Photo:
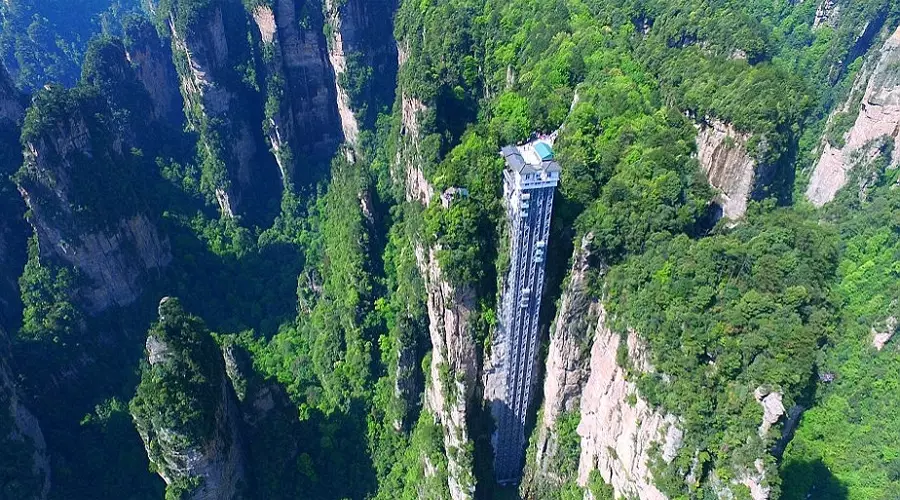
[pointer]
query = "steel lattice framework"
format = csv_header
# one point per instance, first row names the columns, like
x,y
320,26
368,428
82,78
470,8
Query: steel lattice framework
x,y
528,195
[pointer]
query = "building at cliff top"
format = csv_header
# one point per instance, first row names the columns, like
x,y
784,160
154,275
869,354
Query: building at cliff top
x,y
530,179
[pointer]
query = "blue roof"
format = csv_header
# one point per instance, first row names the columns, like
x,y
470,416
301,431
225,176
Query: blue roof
x,y
543,150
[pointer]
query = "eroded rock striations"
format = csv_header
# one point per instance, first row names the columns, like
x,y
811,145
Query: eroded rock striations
x,y
624,438
152,61
723,156
567,371
876,128
186,412
618,428
301,116
214,61
454,368
83,187
363,56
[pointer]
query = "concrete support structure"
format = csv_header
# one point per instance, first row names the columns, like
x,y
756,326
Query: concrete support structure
x,y
530,181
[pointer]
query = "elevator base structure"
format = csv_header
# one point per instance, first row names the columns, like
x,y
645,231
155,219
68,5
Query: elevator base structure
x,y
530,179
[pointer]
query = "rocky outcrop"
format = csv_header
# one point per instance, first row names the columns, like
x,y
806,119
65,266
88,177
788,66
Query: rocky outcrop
x,y
453,369
722,152
301,121
362,55
882,334
618,427
12,108
877,123
454,366
567,370
259,399
337,55
622,436
407,385
773,408
191,429
827,14
13,229
24,462
152,61
209,49
409,158
116,249
116,262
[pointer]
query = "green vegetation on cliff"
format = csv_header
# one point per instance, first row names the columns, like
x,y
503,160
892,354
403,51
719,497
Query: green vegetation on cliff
x,y
44,41
724,316
179,390
317,291
851,428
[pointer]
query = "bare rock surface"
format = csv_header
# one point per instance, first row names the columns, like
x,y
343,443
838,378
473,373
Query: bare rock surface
x,y
209,463
883,334
567,365
618,427
827,14
773,409
151,59
12,108
337,55
453,351
417,187
878,119
265,21
116,258
212,96
453,344
723,156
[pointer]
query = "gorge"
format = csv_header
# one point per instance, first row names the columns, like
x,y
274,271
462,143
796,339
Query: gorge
x,y
260,249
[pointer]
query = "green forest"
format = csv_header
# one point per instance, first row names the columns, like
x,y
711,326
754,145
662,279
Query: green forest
x,y
260,249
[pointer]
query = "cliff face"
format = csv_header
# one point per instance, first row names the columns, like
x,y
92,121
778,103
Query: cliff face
x,y
722,152
363,55
24,468
152,61
191,428
567,370
877,125
223,105
454,367
302,122
618,428
11,107
342,35
114,246
13,229
623,439
827,14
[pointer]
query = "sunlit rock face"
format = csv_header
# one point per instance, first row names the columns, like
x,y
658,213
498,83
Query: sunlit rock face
x,y
618,427
722,153
877,126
